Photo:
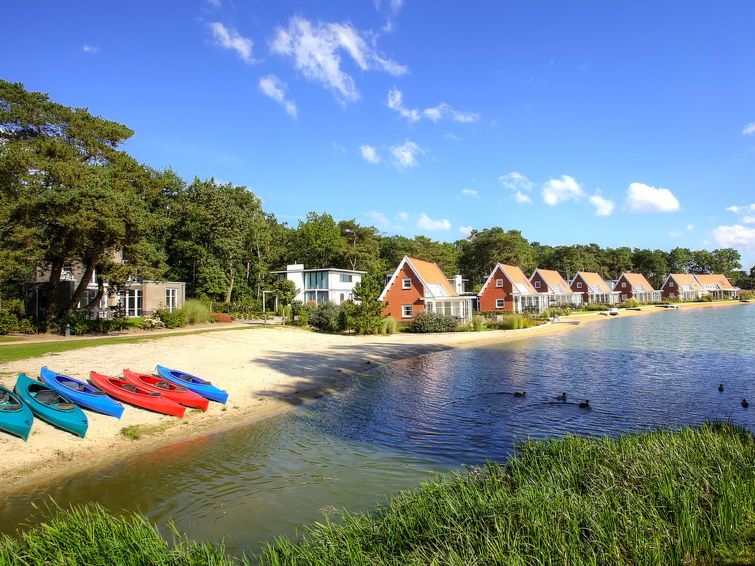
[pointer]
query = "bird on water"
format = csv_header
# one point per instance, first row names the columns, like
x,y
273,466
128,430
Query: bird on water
x,y
721,387
585,404
561,397
518,394
745,404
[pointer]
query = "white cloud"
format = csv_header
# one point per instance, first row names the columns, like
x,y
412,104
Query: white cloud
x,y
90,49
451,137
273,87
749,129
522,198
379,219
675,234
603,206
443,110
646,199
515,181
748,219
405,156
315,50
369,154
339,147
469,193
402,216
736,236
560,190
230,39
750,208
426,223
214,3
690,227
465,231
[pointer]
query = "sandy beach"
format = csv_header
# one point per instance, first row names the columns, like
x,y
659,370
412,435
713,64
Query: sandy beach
x,y
265,370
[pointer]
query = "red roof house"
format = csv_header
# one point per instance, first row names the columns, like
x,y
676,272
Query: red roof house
x,y
507,288
593,288
681,287
717,285
559,292
635,286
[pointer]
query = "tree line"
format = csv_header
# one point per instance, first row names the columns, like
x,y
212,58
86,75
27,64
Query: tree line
x,y
70,193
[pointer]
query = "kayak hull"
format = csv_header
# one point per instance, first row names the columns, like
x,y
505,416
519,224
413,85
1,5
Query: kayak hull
x,y
16,417
169,390
136,395
50,406
193,383
81,393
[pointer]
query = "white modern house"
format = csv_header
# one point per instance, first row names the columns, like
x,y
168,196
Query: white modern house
x,y
320,285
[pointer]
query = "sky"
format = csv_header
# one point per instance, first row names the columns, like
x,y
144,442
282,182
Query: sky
x,y
626,123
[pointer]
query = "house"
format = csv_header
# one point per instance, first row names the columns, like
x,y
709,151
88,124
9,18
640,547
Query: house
x,y
682,287
559,292
507,288
717,286
593,289
138,297
418,285
635,286
320,285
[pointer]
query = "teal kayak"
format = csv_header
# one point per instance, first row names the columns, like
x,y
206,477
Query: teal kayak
x,y
15,417
51,406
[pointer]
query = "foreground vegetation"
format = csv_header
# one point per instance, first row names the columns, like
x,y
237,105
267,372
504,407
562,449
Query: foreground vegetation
x,y
673,497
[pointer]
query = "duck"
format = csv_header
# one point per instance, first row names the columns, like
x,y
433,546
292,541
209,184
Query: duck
x,y
561,397
585,404
721,387
745,404
520,393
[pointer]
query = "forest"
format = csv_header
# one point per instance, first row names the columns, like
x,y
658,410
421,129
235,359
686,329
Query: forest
x,y
70,193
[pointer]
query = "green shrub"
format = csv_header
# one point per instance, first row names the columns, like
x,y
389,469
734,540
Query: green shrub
x,y
195,311
8,322
325,317
346,314
477,323
390,326
432,322
704,299
596,307
174,319
151,323
16,306
629,303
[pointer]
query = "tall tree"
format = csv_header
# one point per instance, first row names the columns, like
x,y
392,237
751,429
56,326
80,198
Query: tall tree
x,y
359,244
318,241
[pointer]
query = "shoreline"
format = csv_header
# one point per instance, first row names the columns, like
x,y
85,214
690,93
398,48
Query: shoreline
x,y
266,372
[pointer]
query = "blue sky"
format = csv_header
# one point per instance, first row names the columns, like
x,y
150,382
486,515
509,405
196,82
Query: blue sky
x,y
575,122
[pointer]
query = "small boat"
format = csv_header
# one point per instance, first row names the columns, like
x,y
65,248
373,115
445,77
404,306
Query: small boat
x,y
51,406
613,312
170,390
15,416
193,383
81,393
136,395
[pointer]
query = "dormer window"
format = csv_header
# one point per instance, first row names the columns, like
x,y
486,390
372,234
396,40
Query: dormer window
x,y
670,283
537,284
499,283
579,284
623,284
406,283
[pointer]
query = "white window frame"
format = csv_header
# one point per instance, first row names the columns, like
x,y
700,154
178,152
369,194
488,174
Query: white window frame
x,y
499,283
407,311
579,284
171,298
623,284
406,283
500,303
670,283
345,278
537,284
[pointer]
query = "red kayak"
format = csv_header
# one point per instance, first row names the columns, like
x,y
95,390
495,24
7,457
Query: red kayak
x,y
136,395
171,391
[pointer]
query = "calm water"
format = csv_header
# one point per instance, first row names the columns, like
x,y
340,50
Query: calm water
x,y
402,424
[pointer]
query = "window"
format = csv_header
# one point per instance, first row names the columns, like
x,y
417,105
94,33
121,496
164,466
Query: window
x,y
499,303
579,284
670,283
671,295
499,282
345,278
316,280
537,284
131,301
407,311
171,299
623,296
623,284
406,283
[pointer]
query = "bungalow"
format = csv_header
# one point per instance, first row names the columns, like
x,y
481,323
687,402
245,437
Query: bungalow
x,y
559,292
635,286
593,288
507,288
320,285
682,287
417,285
138,297
717,286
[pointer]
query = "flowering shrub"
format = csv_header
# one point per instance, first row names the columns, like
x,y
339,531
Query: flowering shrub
x,y
220,317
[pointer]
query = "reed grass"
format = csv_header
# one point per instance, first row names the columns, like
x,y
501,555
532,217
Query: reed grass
x,y
657,498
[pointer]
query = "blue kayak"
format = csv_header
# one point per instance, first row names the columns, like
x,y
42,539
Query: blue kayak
x,y
51,406
193,383
15,417
81,393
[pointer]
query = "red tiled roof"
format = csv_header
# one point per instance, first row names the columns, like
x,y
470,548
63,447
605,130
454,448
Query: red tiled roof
x,y
686,280
594,280
516,276
638,281
431,273
714,279
553,278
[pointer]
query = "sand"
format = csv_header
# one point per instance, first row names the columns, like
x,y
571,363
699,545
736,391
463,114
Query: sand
x,y
265,370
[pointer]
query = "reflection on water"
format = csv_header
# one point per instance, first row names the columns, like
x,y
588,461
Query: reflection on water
x,y
401,424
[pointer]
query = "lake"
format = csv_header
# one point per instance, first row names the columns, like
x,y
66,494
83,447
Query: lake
x,y
403,423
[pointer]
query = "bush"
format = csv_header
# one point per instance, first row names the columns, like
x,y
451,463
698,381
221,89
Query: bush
x,y
432,322
151,323
390,326
477,323
346,314
325,317
174,319
220,317
704,299
8,322
629,303
195,311
596,307
509,322
15,306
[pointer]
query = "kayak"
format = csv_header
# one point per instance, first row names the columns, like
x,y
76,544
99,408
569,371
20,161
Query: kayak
x,y
136,395
15,416
170,390
51,406
81,393
193,383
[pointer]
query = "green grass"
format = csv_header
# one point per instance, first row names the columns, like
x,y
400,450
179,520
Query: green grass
x,y
135,432
659,498
24,351
9,339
